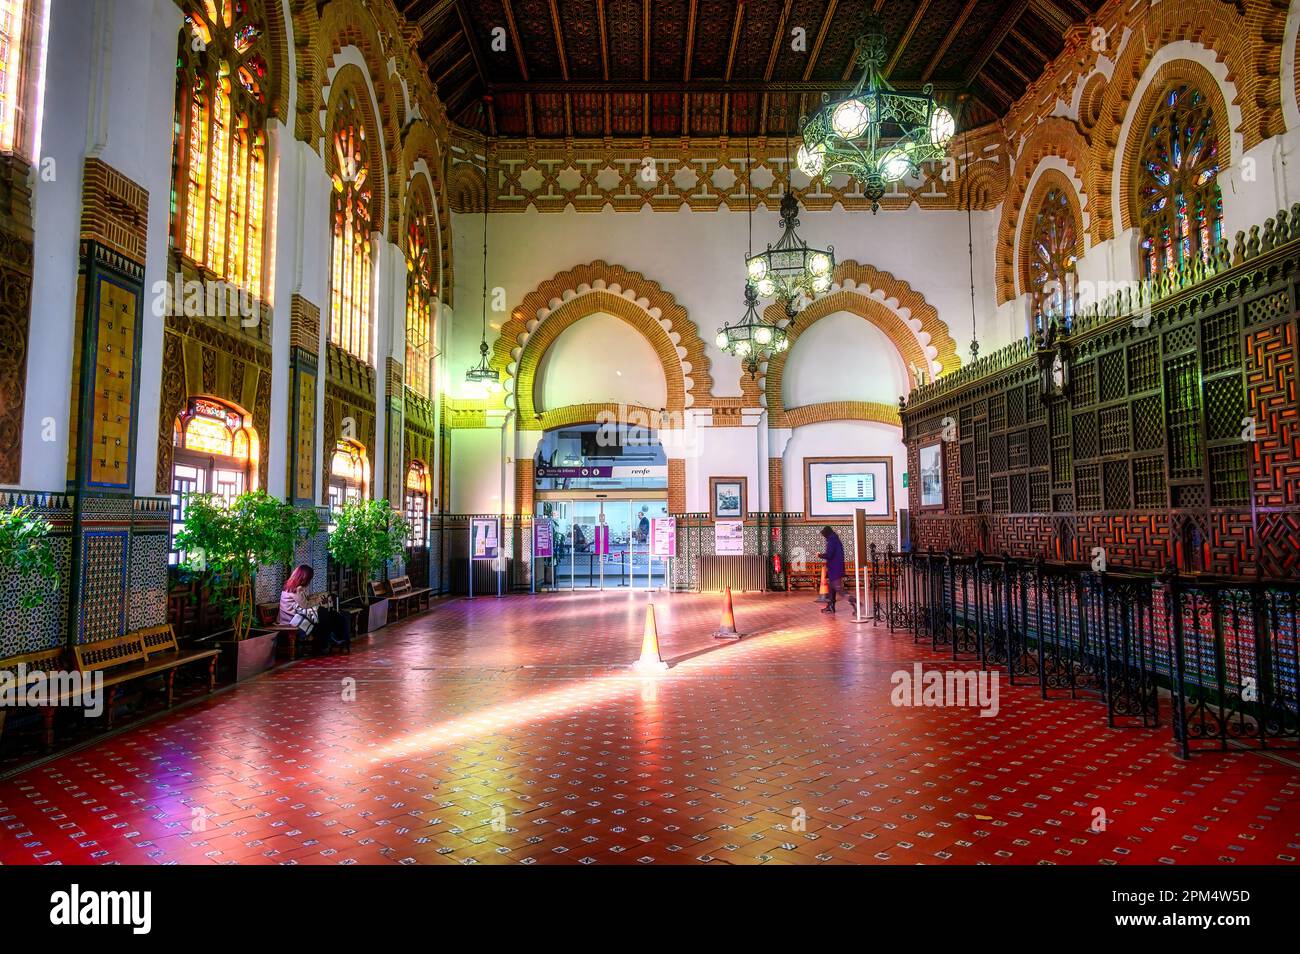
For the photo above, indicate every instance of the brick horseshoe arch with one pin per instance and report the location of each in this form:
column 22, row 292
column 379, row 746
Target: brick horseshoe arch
column 889, row 303
column 586, row 290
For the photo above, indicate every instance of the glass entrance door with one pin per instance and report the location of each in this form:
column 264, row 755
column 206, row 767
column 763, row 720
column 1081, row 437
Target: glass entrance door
column 578, row 565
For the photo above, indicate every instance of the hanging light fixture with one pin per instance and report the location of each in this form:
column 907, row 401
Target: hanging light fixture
column 483, row 374
column 753, row 339
column 876, row 135
column 790, row 268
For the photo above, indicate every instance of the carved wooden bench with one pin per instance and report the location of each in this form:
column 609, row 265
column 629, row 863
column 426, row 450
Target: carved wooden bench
column 139, row 655
column 29, row 665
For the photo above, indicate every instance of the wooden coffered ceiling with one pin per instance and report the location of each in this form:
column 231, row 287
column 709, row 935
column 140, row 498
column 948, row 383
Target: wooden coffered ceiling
column 706, row 68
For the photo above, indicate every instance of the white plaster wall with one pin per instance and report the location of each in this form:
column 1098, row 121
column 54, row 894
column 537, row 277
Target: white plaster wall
column 841, row 439
column 843, row 357
column 722, row 452
column 698, row 257
column 597, row 359
column 476, row 470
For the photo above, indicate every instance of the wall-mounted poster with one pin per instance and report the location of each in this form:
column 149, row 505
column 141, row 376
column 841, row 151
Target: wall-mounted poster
column 728, row 537
column 837, row 486
column 931, row 467
column 483, row 542
column 663, row 536
column 543, row 539
column 728, row 495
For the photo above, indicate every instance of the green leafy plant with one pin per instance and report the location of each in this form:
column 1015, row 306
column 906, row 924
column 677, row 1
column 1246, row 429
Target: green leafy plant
column 226, row 544
column 367, row 534
column 26, row 550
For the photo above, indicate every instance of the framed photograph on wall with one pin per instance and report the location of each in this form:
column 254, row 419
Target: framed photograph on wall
column 728, row 496
column 837, row 486
column 931, row 466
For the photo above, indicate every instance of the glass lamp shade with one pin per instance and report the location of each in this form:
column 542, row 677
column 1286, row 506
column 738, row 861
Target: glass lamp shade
column 850, row 119
column 819, row 264
column 762, row 335
column 742, row 349
column 811, row 161
column 942, row 126
column 757, row 267
column 766, row 288
column 721, row 340
column 821, row 283
column 896, row 163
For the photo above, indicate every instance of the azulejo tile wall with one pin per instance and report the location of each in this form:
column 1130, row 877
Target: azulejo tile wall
column 44, row 626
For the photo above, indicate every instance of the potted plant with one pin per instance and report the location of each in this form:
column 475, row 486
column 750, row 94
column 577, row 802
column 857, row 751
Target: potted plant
column 367, row 534
column 227, row 543
column 27, row 554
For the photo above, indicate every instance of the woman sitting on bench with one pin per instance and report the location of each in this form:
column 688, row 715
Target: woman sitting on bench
column 330, row 627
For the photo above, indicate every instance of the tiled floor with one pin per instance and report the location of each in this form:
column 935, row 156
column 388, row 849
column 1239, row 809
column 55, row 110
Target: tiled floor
column 512, row 731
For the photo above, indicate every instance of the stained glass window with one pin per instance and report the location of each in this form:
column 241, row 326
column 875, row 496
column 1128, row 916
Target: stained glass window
column 348, row 476
column 420, row 292
column 219, row 149
column 213, row 451
column 1053, row 250
column 1179, row 205
column 11, row 61
column 351, row 224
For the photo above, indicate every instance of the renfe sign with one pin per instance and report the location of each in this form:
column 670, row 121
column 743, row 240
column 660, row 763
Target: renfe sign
column 620, row 472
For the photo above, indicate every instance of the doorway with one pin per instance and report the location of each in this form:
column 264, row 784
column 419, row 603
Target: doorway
column 602, row 542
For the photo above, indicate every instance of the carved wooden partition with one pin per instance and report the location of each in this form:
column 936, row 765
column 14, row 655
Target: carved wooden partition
column 1178, row 441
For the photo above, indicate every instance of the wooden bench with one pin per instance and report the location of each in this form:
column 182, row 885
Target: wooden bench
column 413, row 599
column 139, row 655
column 268, row 618
column 41, row 661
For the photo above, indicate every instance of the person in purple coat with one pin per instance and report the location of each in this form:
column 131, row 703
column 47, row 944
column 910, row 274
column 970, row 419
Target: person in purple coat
column 834, row 557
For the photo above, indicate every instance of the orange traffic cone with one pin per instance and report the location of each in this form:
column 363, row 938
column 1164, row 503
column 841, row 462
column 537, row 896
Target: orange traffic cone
column 824, row 591
column 650, row 660
column 727, row 629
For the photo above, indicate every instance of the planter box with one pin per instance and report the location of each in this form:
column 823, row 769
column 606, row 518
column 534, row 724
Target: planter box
column 375, row 617
column 248, row 657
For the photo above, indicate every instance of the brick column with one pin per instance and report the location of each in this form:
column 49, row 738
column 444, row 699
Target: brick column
column 775, row 485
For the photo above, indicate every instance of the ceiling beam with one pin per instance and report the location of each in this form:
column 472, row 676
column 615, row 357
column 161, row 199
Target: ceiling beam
column 1006, row 62
column 451, row 43
column 1027, row 42
column 472, row 41
column 921, row 9
column 777, row 38
column 645, row 40
column 1053, row 14
column 559, row 40
column 738, row 85
column 852, row 64
column 464, row 57
column 690, row 40
column 821, row 37
column 997, row 33
column 736, row 25
column 948, row 38
column 604, row 42
column 514, row 38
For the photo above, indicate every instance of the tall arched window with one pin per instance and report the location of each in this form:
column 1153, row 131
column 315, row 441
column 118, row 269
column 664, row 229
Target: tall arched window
column 1179, row 206
column 417, row 502
column 349, row 477
column 22, row 64
column 214, row 452
column 219, row 152
column 420, row 293
column 1052, row 252
column 350, row 216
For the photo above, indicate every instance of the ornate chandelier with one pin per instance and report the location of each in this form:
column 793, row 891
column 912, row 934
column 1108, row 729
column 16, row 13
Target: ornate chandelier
column 790, row 268
column 752, row 339
column 875, row 135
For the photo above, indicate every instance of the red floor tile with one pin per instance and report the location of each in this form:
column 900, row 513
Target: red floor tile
column 511, row 731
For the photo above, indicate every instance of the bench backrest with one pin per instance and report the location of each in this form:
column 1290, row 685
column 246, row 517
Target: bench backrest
column 158, row 639
column 399, row 584
column 44, row 660
column 379, row 589
column 107, row 653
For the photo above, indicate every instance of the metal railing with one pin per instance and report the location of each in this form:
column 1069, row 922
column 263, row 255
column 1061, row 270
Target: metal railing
column 1216, row 656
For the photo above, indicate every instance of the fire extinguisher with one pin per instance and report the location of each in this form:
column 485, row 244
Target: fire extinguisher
column 776, row 563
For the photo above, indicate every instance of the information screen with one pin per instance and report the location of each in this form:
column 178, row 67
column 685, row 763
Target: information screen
column 850, row 488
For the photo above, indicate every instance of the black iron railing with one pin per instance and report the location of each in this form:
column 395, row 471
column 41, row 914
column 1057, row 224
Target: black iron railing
column 1217, row 655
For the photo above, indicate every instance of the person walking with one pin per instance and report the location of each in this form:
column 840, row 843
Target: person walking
column 834, row 557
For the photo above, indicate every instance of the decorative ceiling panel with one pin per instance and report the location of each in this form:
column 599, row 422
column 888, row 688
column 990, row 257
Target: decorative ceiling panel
column 628, row 68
